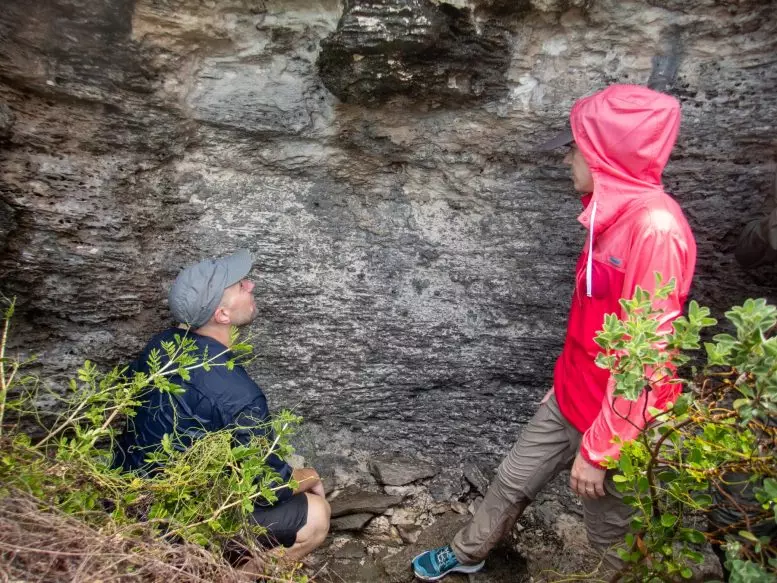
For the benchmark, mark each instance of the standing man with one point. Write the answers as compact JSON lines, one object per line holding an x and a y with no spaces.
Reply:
{"x":620,"y":140}
{"x":210,"y":297}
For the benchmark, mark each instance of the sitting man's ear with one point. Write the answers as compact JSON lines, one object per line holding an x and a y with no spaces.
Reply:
{"x":221,"y":315}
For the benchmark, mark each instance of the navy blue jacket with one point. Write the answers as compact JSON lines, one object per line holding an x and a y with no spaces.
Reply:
{"x":212,"y":400}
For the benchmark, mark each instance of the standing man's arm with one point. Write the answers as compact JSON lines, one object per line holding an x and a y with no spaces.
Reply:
{"x":656,"y":251}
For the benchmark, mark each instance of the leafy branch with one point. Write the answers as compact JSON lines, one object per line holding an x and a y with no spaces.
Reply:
{"x":704,"y":469}
{"x":204,"y":486}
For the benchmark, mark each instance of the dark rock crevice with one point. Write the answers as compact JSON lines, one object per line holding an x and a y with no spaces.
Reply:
{"x":415,"y":48}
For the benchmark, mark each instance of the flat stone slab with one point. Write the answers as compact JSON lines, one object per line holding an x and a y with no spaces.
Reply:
{"x":399,"y":471}
{"x":355,"y":501}
{"x":352,"y":571}
{"x":350,"y":550}
{"x":350,"y":523}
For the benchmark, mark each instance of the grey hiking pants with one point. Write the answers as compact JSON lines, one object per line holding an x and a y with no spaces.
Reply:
{"x":547,"y":445}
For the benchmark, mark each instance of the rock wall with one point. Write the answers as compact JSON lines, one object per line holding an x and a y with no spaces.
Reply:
{"x":413,"y":254}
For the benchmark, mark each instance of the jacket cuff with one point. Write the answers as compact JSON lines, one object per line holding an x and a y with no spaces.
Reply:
{"x":586,"y":456}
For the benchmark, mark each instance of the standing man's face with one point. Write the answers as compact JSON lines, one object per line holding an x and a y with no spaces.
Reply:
{"x":581,"y":173}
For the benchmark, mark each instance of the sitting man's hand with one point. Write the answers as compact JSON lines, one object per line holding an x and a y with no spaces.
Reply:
{"x":587,"y":481}
{"x":309,"y":481}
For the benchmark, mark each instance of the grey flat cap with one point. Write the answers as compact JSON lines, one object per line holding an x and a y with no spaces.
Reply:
{"x":197,"y":291}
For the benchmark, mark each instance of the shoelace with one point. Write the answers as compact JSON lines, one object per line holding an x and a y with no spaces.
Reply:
{"x":445,"y":556}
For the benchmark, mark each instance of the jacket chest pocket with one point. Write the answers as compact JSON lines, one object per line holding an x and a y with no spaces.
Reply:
{"x":603,"y":284}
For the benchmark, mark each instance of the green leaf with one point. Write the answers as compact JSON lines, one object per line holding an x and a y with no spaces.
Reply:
{"x":746,"y":534}
{"x":668,"y":520}
{"x":770,"y":487}
{"x":682,"y":404}
{"x":695,"y":556}
{"x":167,"y":443}
{"x":643,"y":486}
{"x":692,"y":536}
{"x":625,"y":464}
{"x":739,"y":403}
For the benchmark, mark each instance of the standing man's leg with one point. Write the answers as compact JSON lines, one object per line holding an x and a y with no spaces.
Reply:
{"x":607,"y":522}
{"x":547,"y":445}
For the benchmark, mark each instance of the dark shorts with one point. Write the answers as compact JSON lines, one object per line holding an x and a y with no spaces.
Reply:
{"x":282,"y":521}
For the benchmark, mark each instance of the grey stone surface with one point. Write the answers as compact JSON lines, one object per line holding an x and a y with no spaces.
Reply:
{"x":353,"y":501}
{"x":6,"y":122}
{"x":350,"y":550}
{"x":337,"y":471}
{"x":447,"y":485}
{"x":335,"y":456}
{"x":351,"y":522}
{"x":353,"y":570}
{"x":477,"y":477}
{"x":414,"y":256}
{"x":409,"y":532}
{"x":399,"y":470}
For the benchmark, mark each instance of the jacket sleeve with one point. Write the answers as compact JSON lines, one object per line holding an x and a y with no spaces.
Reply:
{"x":252,"y":421}
{"x":654,"y":250}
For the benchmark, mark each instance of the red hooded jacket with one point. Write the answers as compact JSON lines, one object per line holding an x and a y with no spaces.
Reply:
{"x":635,"y":229}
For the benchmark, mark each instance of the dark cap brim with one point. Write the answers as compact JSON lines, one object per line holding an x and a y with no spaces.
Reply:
{"x":564,"y":138}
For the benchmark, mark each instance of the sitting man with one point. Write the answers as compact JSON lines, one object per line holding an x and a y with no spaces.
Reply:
{"x":210,"y":297}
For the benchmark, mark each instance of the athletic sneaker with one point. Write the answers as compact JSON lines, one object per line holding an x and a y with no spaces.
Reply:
{"x":437,"y":563}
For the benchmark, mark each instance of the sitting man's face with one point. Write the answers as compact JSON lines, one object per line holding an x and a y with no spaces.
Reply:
{"x":238,"y":302}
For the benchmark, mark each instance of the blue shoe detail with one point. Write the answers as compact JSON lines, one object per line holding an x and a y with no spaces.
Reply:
{"x":435,"y":564}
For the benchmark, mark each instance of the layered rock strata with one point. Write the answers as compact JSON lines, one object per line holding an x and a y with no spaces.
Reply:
{"x":413,"y":253}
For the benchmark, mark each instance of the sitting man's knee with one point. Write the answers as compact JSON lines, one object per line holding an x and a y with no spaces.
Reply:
{"x":319,"y":513}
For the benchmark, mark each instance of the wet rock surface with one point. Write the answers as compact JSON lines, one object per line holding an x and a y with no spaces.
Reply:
{"x":414,"y":255}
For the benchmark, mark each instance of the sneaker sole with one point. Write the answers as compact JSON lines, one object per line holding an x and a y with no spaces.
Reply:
{"x":460,"y":569}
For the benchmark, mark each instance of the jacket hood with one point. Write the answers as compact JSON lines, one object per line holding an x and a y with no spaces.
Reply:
{"x":626,"y":134}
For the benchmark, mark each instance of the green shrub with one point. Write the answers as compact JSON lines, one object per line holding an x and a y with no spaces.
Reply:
{"x":202,"y":494}
{"x":683,"y":472}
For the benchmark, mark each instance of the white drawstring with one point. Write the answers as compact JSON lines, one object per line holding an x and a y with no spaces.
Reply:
{"x":590,"y":262}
